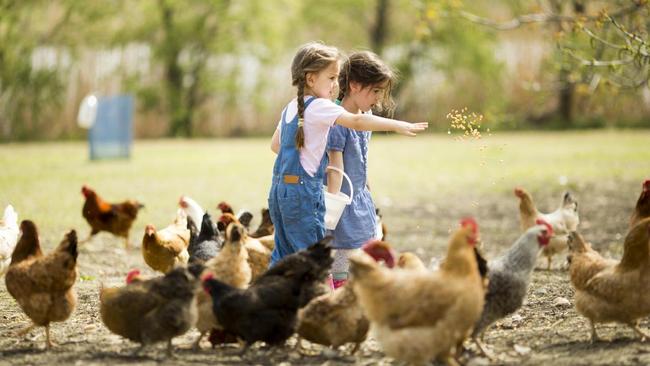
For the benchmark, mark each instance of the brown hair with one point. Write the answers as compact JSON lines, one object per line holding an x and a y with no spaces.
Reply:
{"x":367,"y":69}
{"x":310,"y":58}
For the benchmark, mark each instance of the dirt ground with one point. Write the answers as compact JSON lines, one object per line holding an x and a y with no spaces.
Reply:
{"x":547,"y":330}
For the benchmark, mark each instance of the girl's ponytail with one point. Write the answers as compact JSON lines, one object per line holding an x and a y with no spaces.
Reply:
{"x":300,"y":134}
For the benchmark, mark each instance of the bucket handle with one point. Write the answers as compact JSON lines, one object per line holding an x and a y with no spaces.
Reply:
{"x":347,"y":178}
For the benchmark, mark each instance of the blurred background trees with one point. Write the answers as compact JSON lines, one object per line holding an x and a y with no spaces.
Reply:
{"x":221,"y":67}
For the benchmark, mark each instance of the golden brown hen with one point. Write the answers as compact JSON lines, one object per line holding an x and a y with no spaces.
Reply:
{"x":163,"y":250}
{"x":43,"y":285}
{"x":418,"y":316}
{"x":610,"y":291}
{"x":259,"y":255}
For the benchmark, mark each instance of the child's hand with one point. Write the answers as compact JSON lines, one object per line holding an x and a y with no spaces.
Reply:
{"x":411,"y":129}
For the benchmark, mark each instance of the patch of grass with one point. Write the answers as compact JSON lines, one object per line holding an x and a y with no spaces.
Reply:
{"x":43,"y":181}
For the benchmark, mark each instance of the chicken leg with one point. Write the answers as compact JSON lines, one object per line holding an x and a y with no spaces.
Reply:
{"x":594,"y":335}
{"x":92,"y":234}
{"x":355,"y":348}
{"x":48,"y":340}
{"x":170,"y":348}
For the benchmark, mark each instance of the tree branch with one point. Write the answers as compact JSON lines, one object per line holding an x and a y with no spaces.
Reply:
{"x":597,"y":63}
{"x":526,"y":19}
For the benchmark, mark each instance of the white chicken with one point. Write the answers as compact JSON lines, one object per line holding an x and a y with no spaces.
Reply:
{"x":564,"y":220}
{"x":8,"y":237}
{"x":192,"y":209}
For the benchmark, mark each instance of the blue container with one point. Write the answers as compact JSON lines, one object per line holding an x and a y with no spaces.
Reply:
{"x":111,"y":135}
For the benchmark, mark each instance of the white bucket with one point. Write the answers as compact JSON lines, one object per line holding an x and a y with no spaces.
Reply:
{"x":335,"y":203}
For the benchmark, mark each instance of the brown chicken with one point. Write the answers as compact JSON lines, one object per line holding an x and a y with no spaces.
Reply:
{"x":154,"y":310}
{"x":115,"y":218}
{"x":42,"y":285}
{"x":229,"y":266}
{"x":563,"y":220}
{"x":408,"y":260}
{"x":259,"y":255}
{"x":163,"y":250}
{"x":607,"y":291}
{"x":266,"y":226}
{"x":419,"y":316}
{"x":642,"y":208}
{"x":336,"y":318}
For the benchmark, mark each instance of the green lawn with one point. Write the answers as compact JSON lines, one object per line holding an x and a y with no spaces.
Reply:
{"x":43,"y":181}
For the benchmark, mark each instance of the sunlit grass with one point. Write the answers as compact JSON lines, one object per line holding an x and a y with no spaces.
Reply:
{"x":43,"y":181}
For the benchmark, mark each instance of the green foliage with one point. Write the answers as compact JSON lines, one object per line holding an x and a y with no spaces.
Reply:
{"x":219,"y":66}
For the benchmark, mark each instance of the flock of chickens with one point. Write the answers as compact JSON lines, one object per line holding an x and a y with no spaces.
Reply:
{"x":216,"y":279}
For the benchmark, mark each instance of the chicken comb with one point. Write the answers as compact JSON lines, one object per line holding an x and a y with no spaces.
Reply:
{"x":225,"y":207}
{"x":646,"y":185}
{"x":132,"y":273}
{"x":181,"y":202}
{"x":380,"y":250}
{"x":207,"y":276}
{"x":85,"y":190}
{"x":469,"y":221}
{"x":549,"y":228}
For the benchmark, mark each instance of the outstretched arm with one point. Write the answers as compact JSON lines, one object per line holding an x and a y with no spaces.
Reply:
{"x":368,"y":122}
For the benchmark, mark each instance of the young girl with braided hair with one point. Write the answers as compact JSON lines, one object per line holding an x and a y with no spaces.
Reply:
{"x":296,"y":202}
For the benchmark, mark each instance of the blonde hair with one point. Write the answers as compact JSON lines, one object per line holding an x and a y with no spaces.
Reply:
{"x":367,"y":69}
{"x":310,"y":58}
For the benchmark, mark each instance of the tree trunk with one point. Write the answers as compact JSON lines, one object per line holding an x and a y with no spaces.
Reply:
{"x":566,"y":97}
{"x":378,"y":30}
{"x":181,"y":117}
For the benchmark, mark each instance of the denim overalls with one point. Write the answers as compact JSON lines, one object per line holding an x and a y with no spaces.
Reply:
{"x":358,"y":222}
{"x":296,"y":202}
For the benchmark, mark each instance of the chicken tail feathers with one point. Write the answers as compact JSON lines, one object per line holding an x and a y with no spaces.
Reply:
{"x":72,"y":244}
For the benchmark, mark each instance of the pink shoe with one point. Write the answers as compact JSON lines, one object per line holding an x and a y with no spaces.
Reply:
{"x":339,"y":283}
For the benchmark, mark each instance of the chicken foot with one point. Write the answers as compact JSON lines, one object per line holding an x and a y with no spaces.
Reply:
{"x":23,"y":332}
{"x":635,"y":326}
{"x":197,"y":344}
{"x":139,"y":350}
{"x":483,"y":348}
{"x":48,"y":340}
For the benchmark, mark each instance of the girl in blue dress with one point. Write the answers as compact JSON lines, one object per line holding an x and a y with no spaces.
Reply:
{"x":365,"y":84}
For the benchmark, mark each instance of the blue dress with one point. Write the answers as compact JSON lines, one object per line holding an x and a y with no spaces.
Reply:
{"x":358,"y":222}
{"x":296,"y":201}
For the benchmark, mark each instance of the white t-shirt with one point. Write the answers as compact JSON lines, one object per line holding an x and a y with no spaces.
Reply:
{"x":319,"y":117}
